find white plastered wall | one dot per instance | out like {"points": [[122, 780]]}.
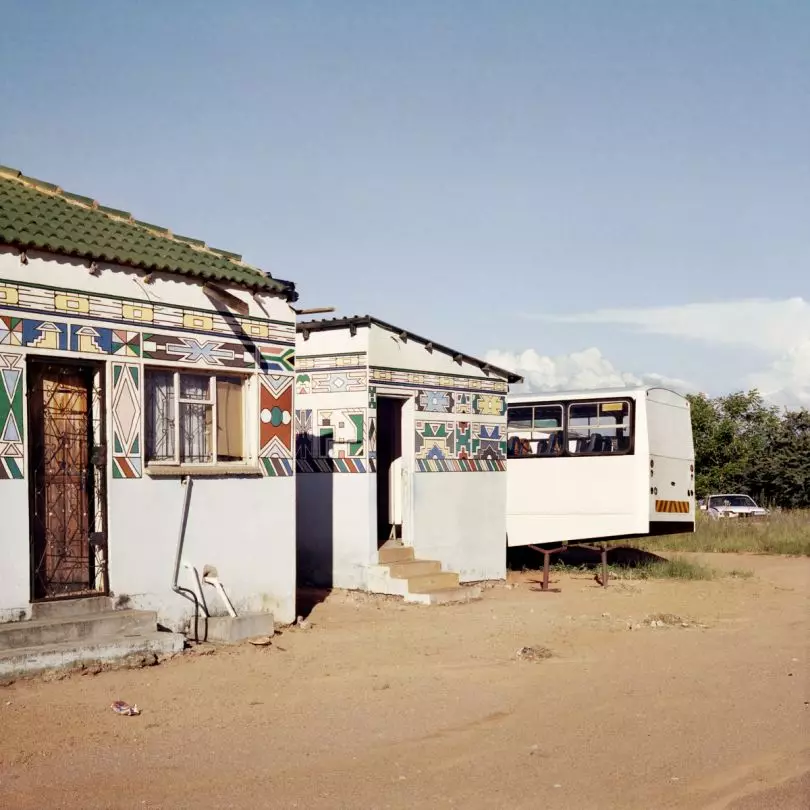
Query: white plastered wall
{"points": [[244, 525], [336, 508]]}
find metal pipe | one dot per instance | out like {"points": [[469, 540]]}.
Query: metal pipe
{"points": [[186, 593]]}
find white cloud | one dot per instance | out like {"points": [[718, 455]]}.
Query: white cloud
{"points": [[774, 326], [578, 371], [778, 328], [787, 380]]}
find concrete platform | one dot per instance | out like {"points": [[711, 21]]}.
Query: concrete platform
{"points": [[29, 660], [83, 627], [231, 630], [464, 593]]}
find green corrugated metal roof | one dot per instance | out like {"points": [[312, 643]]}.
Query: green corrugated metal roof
{"points": [[35, 214]]}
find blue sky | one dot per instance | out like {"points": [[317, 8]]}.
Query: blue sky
{"points": [[531, 180]]}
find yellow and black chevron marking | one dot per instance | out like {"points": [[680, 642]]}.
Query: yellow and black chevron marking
{"points": [[681, 507]]}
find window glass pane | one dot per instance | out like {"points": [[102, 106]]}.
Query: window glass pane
{"points": [[229, 419], [599, 427], [547, 438], [195, 386], [519, 431], [195, 433], [614, 412], [160, 416]]}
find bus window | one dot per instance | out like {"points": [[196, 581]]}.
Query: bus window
{"points": [[599, 427], [547, 435], [518, 432]]}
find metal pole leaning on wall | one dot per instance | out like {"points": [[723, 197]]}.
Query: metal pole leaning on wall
{"points": [[187, 484]]}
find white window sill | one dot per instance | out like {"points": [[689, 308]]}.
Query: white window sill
{"points": [[201, 470]]}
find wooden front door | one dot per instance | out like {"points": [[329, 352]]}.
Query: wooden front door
{"points": [[67, 480]]}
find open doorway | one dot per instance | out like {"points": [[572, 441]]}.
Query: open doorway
{"points": [[389, 448]]}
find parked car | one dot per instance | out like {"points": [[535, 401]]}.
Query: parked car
{"points": [[732, 506]]}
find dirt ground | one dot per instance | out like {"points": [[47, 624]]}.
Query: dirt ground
{"points": [[382, 705]]}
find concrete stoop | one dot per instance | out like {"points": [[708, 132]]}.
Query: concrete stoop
{"points": [[80, 631], [399, 573], [231, 629]]}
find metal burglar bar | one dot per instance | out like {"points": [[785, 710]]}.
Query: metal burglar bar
{"points": [[67, 484]]}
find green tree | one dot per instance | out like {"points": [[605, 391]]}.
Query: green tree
{"points": [[781, 475], [730, 433]]}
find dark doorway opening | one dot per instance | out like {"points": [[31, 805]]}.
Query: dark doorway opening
{"points": [[389, 448]]}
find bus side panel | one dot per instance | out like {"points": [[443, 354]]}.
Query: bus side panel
{"points": [[550, 500], [672, 456]]}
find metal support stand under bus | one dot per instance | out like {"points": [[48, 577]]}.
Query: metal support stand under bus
{"points": [[547, 552]]}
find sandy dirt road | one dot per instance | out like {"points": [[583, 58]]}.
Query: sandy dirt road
{"points": [[382, 705]]}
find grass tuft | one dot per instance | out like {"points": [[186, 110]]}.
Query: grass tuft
{"points": [[676, 568], [656, 568], [785, 533]]}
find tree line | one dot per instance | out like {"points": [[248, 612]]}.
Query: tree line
{"points": [[743, 445]]}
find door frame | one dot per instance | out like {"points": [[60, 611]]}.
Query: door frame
{"points": [[97, 501], [407, 446]]}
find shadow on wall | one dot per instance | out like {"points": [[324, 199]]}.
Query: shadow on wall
{"points": [[314, 507]]}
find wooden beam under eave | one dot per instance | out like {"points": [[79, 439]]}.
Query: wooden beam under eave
{"points": [[226, 298]]}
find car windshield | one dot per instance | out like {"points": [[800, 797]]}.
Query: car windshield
{"points": [[719, 501]]}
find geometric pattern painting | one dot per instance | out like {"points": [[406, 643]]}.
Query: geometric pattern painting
{"points": [[330, 361], [335, 382], [397, 377], [53, 335], [460, 465], [433, 401], [90, 339], [40, 298], [45, 335], [126, 421], [276, 358], [303, 433], [125, 343], [341, 432], [187, 349], [460, 402], [463, 440], [489, 405], [276, 423], [435, 440], [12, 381], [11, 331], [488, 441]]}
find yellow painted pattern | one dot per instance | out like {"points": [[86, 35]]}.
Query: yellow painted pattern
{"points": [[678, 507], [191, 320], [72, 303], [8, 295], [138, 312]]}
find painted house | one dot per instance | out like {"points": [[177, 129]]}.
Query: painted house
{"points": [[131, 357], [397, 438]]}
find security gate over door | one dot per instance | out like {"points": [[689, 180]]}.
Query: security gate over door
{"points": [[68, 549]]}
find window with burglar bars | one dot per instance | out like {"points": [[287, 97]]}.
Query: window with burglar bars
{"points": [[194, 418]]}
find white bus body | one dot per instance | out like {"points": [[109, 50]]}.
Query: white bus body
{"points": [[598, 465]]}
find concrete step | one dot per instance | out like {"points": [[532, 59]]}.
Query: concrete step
{"points": [[413, 568], [62, 608], [467, 593], [91, 627], [392, 554], [425, 583], [28, 660]]}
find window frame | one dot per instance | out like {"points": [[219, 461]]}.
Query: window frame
{"points": [[176, 463], [566, 407]]}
